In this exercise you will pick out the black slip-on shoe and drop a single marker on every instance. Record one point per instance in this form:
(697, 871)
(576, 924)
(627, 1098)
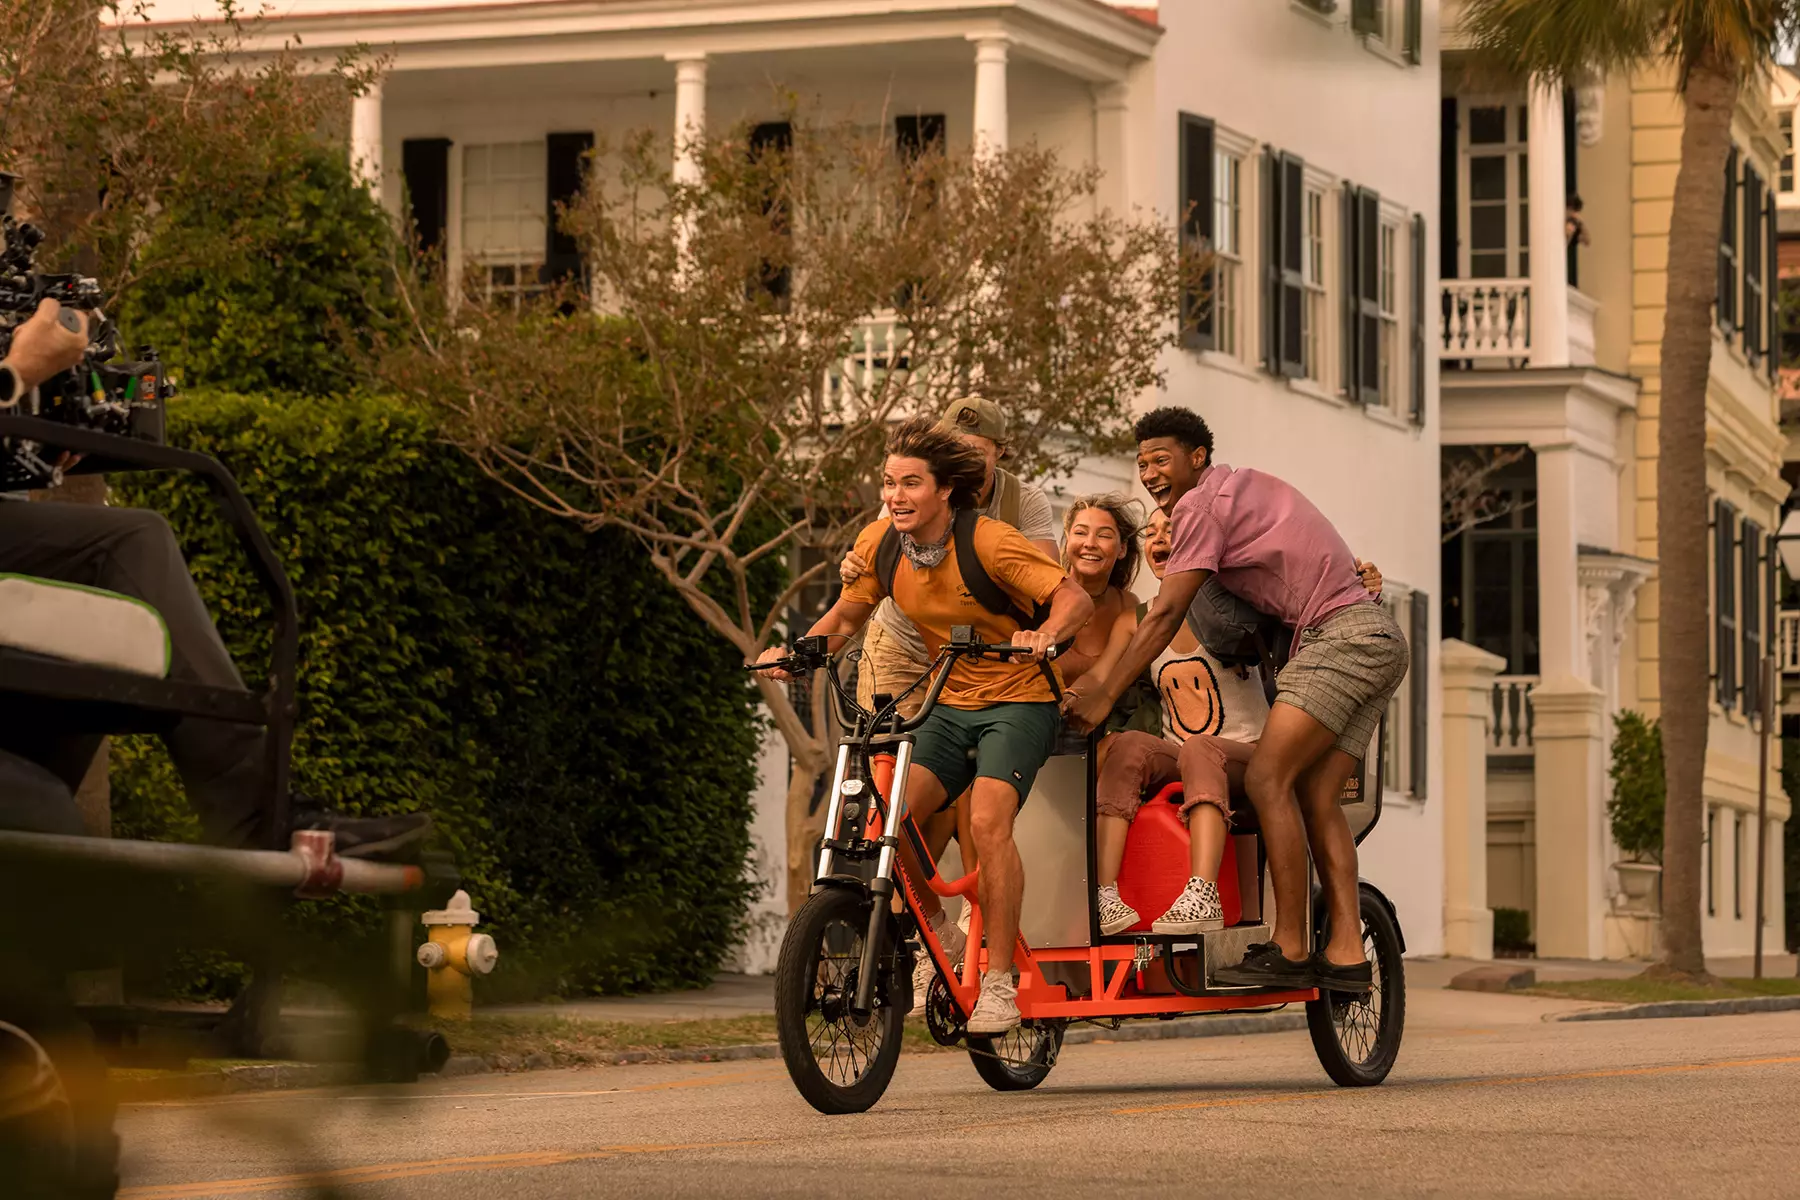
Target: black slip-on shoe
(1264, 965)
(1354, 978)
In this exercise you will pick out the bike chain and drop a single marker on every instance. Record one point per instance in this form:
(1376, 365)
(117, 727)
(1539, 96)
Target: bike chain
(948, 1028)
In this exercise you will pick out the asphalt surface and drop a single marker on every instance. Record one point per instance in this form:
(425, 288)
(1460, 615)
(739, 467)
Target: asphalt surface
(1488, 1099)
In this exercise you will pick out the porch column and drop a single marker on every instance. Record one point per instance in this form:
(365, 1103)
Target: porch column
(990, 95)
(1468, 675)
(365, 139)
(1562, 627)
(1547, 196)
(1570, 735)
(690, 114)
(1110, 134)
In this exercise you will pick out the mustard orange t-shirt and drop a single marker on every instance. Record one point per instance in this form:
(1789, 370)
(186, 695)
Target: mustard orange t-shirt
(934, 599)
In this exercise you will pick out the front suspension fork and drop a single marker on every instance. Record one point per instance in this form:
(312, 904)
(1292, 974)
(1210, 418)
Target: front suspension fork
(881, 887)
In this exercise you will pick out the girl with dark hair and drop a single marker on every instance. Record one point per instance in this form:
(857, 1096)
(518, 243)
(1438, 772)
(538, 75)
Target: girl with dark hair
(996, 721)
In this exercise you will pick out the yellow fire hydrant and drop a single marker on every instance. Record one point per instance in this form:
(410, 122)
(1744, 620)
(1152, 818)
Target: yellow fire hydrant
(453, 956)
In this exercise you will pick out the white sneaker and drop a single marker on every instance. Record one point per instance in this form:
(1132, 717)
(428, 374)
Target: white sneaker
(1196, 910)
(953, 940)
(1116, 916)
(997, 1010)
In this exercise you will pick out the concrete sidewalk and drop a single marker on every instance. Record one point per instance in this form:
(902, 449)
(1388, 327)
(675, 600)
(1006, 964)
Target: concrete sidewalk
(749, 995)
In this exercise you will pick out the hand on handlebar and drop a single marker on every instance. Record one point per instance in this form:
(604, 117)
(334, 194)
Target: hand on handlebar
(1035, 644)
(775, 654)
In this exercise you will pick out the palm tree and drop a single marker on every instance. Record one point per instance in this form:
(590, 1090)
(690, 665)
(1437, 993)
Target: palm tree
(1717, 48)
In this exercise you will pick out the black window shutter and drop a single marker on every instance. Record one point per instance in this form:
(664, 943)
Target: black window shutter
(1415, 31)
(1726, 303)
(1771, 289)
(564, 162)
(425, 165)
(1416, 381)
(1199, 330)
(1750, 315)
(1447, 202)
(1349, 306)
(1368, 292)
(1750, 617)
(1724, 603)
(1271, 260)
(774, 137)
(915, 135)
(1419, 734)
(1292, 170)
(1365, 16)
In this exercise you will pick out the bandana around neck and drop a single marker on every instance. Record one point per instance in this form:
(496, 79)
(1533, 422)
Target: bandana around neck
(920, 555)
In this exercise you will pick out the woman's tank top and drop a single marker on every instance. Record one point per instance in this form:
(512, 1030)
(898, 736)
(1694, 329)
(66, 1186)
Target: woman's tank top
(1202, 695)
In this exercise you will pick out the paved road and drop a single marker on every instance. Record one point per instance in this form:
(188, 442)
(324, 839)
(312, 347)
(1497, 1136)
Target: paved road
(1488, 1099)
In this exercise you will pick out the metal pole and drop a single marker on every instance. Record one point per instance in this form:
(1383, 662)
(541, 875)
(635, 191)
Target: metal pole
(1762, 803)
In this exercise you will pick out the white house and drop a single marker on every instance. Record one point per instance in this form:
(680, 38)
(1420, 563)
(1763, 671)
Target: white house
(1305, 139)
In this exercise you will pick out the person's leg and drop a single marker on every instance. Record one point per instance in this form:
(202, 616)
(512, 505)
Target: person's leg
(133, 551)
(1136, 765)
(994, 806)
(1208, 764)
(964, 832)
(1291, 742)
(1334, 851)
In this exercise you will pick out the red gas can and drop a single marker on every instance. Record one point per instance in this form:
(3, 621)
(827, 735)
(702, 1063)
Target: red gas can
(1156, 863)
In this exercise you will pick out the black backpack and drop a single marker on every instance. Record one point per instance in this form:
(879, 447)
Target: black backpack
(1236, 632)
(981, 585)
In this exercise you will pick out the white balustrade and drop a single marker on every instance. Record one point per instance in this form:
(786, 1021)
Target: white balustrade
(1513, 717)
(1787, 642)
(1485, 318)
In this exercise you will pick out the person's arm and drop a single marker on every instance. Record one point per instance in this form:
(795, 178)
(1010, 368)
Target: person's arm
(47, 344)
(843, 619)
(1070, 608)
(1150, 639)
(1051, 550)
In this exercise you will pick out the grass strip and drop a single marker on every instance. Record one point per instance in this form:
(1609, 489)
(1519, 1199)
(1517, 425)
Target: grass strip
(1654, 991)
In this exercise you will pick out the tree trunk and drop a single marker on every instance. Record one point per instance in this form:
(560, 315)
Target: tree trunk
(802, 828)
(1681, 502)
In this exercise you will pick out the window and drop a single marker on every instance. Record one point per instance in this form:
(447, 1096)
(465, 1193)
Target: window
(1285, 266)
(1786, 183)
(1750, 317)
(1389, 267)
(503, 210)
(1312, 318)
(1228, 248)
(1405, 731)
(1725, 608)
(1490, 570)
(1494, 163)
(425, 165)
(565, 162)
(1395, 25)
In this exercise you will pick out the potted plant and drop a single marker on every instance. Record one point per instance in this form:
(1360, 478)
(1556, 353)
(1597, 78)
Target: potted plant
(1636, 807)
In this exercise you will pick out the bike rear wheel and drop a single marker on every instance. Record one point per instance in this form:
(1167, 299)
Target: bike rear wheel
(1357, 1037)
(1020, 1060)
(839, 1062)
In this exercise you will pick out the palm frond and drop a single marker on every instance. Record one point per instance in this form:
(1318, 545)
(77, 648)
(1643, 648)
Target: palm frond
(1566, 41)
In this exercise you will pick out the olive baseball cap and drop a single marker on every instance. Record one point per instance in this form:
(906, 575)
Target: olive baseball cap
(974, 414)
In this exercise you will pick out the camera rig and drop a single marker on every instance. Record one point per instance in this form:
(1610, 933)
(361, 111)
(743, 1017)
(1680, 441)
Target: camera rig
(104, 392)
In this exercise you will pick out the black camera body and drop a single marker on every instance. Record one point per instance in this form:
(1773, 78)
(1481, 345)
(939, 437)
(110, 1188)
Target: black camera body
(104, 392)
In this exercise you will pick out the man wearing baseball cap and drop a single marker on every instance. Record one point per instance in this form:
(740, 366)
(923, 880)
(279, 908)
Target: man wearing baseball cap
(893, 653)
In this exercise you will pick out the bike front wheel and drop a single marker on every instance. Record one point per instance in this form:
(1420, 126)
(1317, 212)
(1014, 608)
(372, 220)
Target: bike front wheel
(840, 1062)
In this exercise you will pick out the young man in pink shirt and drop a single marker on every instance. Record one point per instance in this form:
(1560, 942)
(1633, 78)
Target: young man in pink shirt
(1271, 547)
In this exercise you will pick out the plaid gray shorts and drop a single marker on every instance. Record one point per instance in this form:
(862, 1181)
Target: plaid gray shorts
(1343, 672)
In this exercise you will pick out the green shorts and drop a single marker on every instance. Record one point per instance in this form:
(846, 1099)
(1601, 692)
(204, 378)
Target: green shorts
(1008, 742)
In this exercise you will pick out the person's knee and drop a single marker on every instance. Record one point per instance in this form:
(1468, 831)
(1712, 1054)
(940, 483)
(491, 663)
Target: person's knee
(991, 817)
(1266, 780)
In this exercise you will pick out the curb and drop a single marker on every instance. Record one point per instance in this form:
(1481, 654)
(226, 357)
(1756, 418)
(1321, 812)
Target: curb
(1686, 1008)
(1187, 1027)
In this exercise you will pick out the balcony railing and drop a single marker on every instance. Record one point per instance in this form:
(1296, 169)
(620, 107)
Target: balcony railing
(1787, 642)
(1481, 320)
(1512, 715)
(1486, 318)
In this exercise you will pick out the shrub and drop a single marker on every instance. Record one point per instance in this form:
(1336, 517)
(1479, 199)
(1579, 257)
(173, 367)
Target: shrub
(1512, 929)
(585, 743)
(1636, 807)
(270, 286)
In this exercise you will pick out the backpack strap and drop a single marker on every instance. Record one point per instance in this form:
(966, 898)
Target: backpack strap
(887, 559)
(988, 594)
(1008, 497)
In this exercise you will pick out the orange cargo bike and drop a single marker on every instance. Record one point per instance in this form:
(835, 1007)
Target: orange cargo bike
(843, 983)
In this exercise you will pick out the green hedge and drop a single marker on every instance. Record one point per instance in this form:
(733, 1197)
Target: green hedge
(586, 744)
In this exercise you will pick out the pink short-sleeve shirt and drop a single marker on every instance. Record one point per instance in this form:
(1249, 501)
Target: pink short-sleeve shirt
(1268, 545)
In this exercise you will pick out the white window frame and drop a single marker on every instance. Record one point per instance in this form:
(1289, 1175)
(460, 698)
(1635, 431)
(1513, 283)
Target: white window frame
(1233, 158)
(521, 256)
(1392, 40)
(1318, 270)
(1392, 243)
(1516, 154)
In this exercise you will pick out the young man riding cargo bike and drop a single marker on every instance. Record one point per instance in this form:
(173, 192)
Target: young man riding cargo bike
(993, 611)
